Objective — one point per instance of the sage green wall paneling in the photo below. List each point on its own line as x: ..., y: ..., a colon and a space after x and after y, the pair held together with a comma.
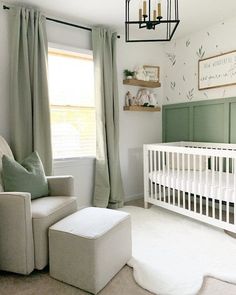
x: 233, y: 122
x: 176, y: 124
x: 209, y: 123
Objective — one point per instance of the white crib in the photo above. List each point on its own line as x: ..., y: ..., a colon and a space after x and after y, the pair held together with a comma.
x: 193, y: 178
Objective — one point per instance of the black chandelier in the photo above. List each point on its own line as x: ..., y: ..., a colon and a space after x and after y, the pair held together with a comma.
x: 160, y: 18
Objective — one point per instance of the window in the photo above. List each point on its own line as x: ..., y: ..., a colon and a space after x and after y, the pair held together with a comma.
x: 71, y: 92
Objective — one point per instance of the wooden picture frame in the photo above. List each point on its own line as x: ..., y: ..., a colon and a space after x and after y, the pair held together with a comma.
x: 153, y: 72
x: 217, y: 71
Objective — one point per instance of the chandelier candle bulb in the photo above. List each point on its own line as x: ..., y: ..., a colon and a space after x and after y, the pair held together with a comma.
x: 140, y: 14
x: 159, y: 9
x: 144, y: 7
x: 154, y: 15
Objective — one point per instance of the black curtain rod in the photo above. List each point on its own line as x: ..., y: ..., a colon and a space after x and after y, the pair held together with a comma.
x: 62, y: 22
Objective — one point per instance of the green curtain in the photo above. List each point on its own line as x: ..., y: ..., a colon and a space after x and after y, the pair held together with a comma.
x: 29, y: 103
x: 108, y: 190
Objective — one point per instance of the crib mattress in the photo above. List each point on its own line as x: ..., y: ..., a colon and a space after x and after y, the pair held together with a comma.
x: 200, y: 184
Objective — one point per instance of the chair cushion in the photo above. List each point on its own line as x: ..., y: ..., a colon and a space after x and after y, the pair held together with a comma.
x: 28, y: 176
x: 4, y: 150
x: 45, y: 212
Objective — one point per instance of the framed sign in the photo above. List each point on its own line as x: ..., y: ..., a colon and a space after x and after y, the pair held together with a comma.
x: 153, y: 72
x: 217, y: 71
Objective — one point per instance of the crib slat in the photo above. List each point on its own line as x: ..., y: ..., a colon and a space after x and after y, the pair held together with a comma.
x: 168, y: 173
x: 227, y: 177
x: 227, y: 201
x: 178, y: 174
x: 151, y: 168
x: 155, y: 169
x: 183, y: 179
x: 200, y: 182
x: 163, y: 176
x: 174, y: 178
x: 227, y: 173
x: 213, y: 184
x: 227, y: 212
x: 194, y: 183
x: 146, y: 175
x: 220, y: 171
x: 234, y: 196
x: 189, y: 184
x: 220, y: 191
x: 206, y: 189
x: 159, y: 173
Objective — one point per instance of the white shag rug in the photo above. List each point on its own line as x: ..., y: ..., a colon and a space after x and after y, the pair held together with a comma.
x: 172, y: 254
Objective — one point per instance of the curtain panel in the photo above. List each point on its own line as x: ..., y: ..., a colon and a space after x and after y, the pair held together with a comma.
x: 29, y: 102
x: 108, y: 191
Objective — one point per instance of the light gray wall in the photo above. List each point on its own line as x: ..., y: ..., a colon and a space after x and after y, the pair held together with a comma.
x: 135, y: 128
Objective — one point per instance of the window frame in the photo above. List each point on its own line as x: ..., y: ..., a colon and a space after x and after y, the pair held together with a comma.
x: 68, y: 51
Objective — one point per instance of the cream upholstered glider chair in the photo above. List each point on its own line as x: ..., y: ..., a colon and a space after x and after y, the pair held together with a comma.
x: 24, y: 222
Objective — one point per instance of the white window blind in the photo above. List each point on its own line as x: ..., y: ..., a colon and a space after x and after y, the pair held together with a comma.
x: 71, y: 92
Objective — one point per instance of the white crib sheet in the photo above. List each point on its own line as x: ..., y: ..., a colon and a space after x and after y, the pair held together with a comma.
x: 185, y: 181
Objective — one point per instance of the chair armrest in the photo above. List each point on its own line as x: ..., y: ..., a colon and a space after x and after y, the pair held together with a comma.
x: 16, y: 235
x: 61, y: 185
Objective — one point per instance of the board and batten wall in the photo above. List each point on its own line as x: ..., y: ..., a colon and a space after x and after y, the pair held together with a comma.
x: 181, y: 58
x: 135, y: 128
x: 201, y: 121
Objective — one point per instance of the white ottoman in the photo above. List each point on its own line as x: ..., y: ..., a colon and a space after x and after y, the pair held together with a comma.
x: 87, y: 248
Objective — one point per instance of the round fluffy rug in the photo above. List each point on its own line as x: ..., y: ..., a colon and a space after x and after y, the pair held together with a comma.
x: 172, y: 254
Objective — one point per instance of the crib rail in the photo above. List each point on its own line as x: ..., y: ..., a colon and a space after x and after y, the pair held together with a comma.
x: 194, y: 179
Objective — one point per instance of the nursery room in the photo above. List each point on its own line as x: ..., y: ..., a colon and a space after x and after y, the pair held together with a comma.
x: 118, y: 147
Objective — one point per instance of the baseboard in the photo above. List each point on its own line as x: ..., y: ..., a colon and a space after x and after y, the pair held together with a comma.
x: 133, y: 197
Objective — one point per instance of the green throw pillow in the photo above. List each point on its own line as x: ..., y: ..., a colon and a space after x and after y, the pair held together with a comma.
x: 28, y: 176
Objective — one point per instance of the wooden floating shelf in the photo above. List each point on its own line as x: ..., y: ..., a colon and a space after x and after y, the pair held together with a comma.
x: 140, y: 83
x: 142, y: 109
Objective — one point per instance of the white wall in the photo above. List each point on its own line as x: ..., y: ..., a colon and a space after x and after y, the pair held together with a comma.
x: 136, y: 128
x: 181, y: 63
x: 69, y: 36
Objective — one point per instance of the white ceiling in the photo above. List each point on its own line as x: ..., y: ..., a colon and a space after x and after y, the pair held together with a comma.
x: 194, y: 14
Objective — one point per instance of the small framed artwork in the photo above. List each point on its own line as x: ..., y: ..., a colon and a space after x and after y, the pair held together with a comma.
x: 153, y: 72
x: 217, y: 71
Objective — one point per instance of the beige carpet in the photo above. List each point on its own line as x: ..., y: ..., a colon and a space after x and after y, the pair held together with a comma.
x: 40, y: 283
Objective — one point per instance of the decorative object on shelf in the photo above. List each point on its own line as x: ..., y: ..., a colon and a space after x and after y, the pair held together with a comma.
x: 153, y: 99
x: 128, y: 99
x: 143, y: 96
x: 146, y: 98
x: 153, y: 73
x: 217, y: 71
x: 141, y: 74
x: 159, y: 17
x: 144, y: 101
x: 133, y: 101
x: 129, y: 74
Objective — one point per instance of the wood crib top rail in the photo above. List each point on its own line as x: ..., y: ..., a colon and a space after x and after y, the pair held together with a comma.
x: 216, y: 151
